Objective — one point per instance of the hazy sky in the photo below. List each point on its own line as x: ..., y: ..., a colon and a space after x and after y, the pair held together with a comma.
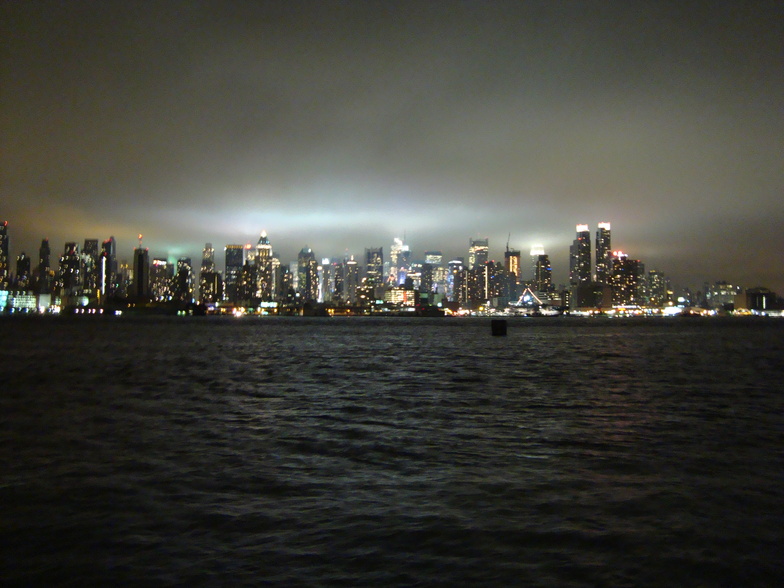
x: 343, y: 125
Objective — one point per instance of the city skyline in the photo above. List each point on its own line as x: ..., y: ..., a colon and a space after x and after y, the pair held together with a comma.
x: 340, y: 126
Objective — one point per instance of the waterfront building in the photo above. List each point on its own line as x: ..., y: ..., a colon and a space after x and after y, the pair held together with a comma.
x: 90, y: 274
x: 625, y: 280
x: 721, y: 295
x: 307, y: 274
x: 543, y: 275
x: 182, y: 290
x: 69, y: 279
x: 656, y: 289
x: 351, y: 281
x: 235, y: 259
x: 478, y: 252
x: 107, y: 268
x: 536, y: 251
x: 23, y: 271
x: 374, y: 266
x: 140, y: 280
x: 265, y: 278
x: 399, y: 257
x: 580, y: 257
x: 161, y: 276
x: 457, y: 284
x: 603, y: 254
x: 210, y: 287
x: 5, y: 270
x: 45, y: 274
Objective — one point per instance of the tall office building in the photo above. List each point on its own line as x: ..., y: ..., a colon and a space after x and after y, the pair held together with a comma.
x: 308, y: 275
x: 5, y: 271
x: 625, y: 280
x: 107, y: 267
x: 208, y: 258
x: 45, y: 282
x: 374, y: 266
x: 478, y: 252
x: 603, y: 254
x: 543, y: 277
x: 536, y: 251
x: 161, y: 276
x: 90, y: 267
x: 457, y: 283
x: 140, y: 286
x: 580, y: 257
x: 399, y: 257
x: 265, y: 276
x: 23, y: 271
x: 182, y: 290
x: 512, y: 263
x: 351, y: 281
x: 69, y: 278
x: 235, y: 259
x: 656, y: 289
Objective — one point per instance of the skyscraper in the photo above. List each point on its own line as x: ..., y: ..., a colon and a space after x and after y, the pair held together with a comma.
x: 183, y: 281
x: 140, y: 287
x: 69, y: 280
x: 90, y: 269
x: 265, y: 277
x: 107, y: 267
x: 4, y: 253
x: 478, y: 252
x: 235, y: 259
x: 603, y: 254
x: 308, y: 275
x: 44, y: 268
x: 399, y: 256
x: 23, y: 269
x: 512, y: 267
x: 374, y: 266
x: 625, y: 280
x: 543, y: 280
x: 161, y: 275
x: 580, y: 257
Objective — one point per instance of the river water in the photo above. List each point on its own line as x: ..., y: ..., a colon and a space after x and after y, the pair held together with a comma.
x: 361, y: 451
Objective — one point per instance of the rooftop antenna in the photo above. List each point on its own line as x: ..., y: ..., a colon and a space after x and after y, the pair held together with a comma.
x: 140, y: 240
x: 507, y: 241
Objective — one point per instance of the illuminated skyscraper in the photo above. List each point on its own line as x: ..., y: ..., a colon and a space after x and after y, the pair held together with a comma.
x: 308, y: 275
x: 625, y: 280
x: 23, y: 271
x: 457, y: 282
x: 603, y: 254
x: 90, y: 268
x: 161, y: 274
x: 374, y: 266
x: 235, y: 259
x: 45, y: 282
x: 656, y: 289
x: 399, y: 257
x: 5, y: 271
x: 580, y: 257
x: 69, y: 279
x: 182, y: 290
x: 543, y: 278
x: 512, y: 265
x: 107, y: 267
x: 351, y: 280
x: 140, y: 286
x: 478, y: 252
x: 208, y: 258
x: 265, y: 277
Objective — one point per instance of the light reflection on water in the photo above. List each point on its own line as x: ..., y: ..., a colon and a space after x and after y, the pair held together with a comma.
x: 397, y: 451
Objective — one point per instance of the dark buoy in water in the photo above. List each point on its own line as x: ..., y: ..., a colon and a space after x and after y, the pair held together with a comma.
x: 498, y: 327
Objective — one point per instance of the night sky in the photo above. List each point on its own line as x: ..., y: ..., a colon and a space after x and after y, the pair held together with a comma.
x: 343, y: 125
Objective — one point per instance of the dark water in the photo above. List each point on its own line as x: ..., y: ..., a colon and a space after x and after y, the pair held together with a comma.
x: 392, y: 452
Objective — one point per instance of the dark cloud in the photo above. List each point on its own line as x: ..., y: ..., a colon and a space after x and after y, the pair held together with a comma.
x: 344, y: 124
